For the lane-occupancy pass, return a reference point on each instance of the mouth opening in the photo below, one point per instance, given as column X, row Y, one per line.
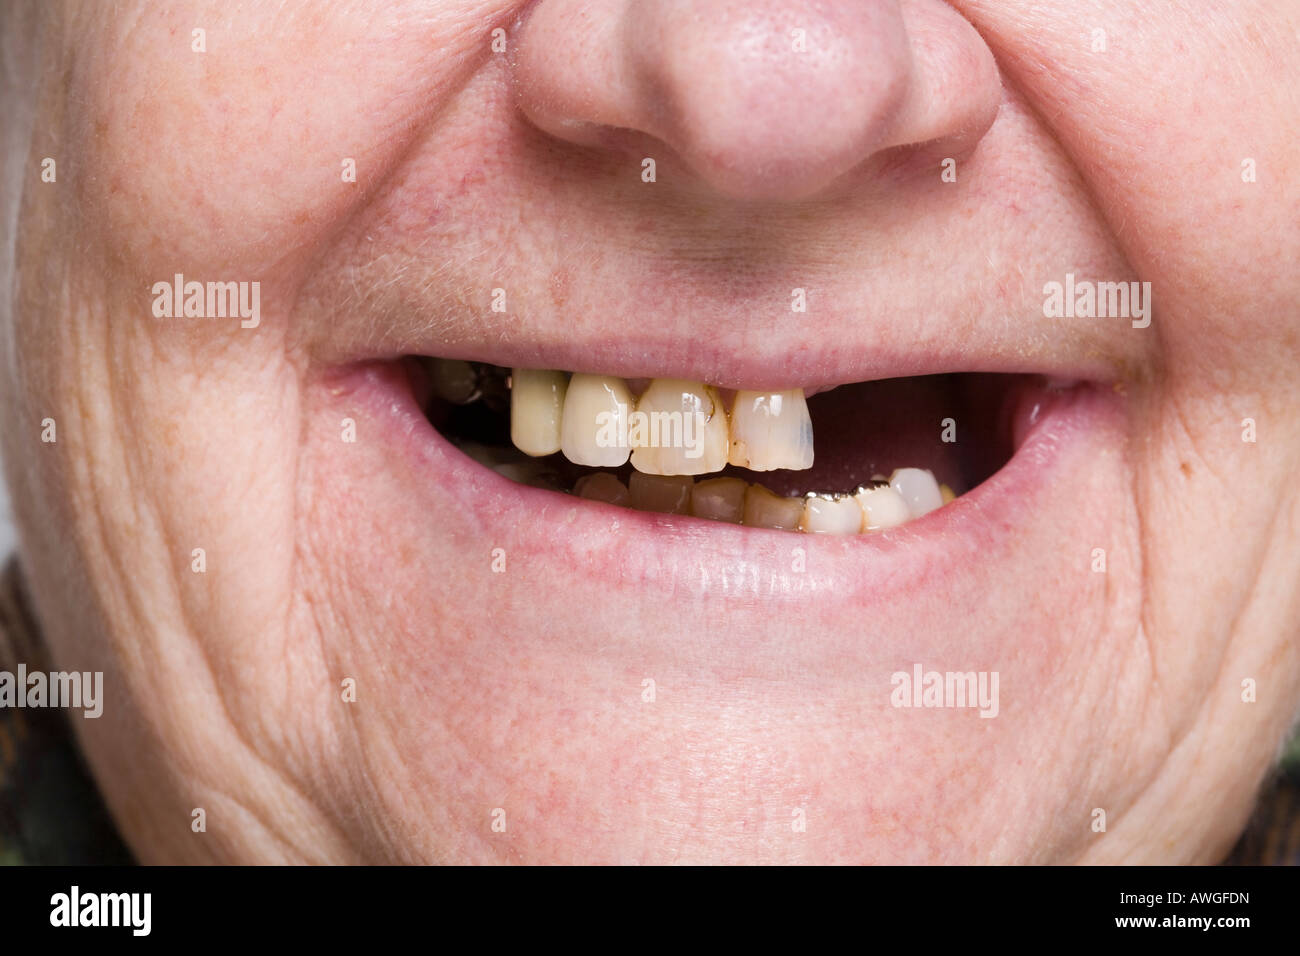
column 879, row 436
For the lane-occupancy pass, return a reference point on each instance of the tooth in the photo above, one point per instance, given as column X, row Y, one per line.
column 771, row 430
column 680, row 429
column 454, row 381
column 722, row 499
column 491, row 457
column 822, row 515
column 662, row 493
column 918, row 488
column 587, row 437
column 946, row 493
column 763, row 509
column 882, row 507
column 538, row 474
column 536, row 407
column 602, row 486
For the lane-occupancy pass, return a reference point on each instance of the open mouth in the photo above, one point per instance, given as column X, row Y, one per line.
column 887, row 452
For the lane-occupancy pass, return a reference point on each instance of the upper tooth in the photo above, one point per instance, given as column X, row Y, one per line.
column 722, row 499
column 882, row 507
column 918, row 488
column 831, row 515
column 584, row 432
column 454, row 381
column 771, row 430
column 536, row 408
column 680, row 429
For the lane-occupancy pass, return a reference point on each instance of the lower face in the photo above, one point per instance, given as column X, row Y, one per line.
column 344, row 613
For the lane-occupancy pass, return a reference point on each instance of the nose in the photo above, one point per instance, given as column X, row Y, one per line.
column 760, row 99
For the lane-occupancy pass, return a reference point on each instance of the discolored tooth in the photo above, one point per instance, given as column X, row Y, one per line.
column 826, row 515
column 771, row 430
column 590, row 432
column 602, row 486
column 763, row 509
column 882, row 507
column 918, row 488
column 680, row 428
column 536, row 409
column 946, row 493
column 454, row 381
column 668, row 494
column 722, row 499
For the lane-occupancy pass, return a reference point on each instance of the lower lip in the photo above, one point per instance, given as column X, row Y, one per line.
column 697, row 559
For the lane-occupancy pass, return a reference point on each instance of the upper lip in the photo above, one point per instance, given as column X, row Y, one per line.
column 758, row 365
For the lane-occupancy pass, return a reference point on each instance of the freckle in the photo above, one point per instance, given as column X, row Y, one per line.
column 1186, row 469
column 300, row 218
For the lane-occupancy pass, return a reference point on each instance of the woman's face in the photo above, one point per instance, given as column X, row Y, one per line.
column 344, row 640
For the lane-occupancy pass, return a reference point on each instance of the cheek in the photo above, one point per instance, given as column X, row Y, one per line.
column 286, row 120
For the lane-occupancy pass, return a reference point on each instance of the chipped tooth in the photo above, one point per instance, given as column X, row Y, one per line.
column 667, row 494
column 771, row 430
column 826, row 515
column 680, row 428
column 454, row 381
column 764, row 509
column 918, row 488
column 722, row 499
column 585, row 434
column 536, row 408
column 946, row 493
column 602, row 486
column 882, row 507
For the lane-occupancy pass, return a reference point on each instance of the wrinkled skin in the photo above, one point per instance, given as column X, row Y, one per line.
column 524, row 690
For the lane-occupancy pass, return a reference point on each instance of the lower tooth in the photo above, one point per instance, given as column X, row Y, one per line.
column 918, row 488
column 491, row 457
column 666, row 494
column 602, row 486
column 763, row 509
column 534, row 473
column 722, row 499
column 824, row 515
column 946, row 493
column 882, row 507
